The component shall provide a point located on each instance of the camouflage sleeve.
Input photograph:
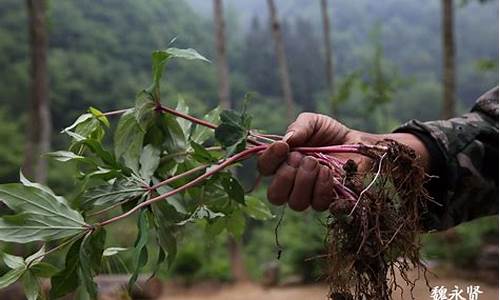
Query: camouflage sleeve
(464, 156)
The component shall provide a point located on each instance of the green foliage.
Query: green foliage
(464, 247)
(148, 144)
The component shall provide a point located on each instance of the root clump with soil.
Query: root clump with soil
(375, 235)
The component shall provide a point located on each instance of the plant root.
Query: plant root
(372, 239)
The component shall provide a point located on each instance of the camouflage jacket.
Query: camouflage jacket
(464, 158)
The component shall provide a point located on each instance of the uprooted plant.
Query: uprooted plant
(169, 169)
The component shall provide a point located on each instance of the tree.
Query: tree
(281, 56)
(221, 58)
(39, 125)
(234, 246)
(329, 71)
(448, 59)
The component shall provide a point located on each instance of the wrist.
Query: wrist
(414, 143)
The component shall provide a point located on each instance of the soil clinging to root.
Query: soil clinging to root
(372, 239)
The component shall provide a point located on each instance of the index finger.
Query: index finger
(269, 161)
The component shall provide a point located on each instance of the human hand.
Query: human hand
(300, 180)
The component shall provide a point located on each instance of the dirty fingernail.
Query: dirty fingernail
(288, 135)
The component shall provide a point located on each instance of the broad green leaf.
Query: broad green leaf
(113, 251)
(175, 140)
(128, 141)
(78, 121)
(149, 161)
(31, 285)
(11, 276)
(232, 137)
(202, 133)
(231, 117)
(257, 209)
(97, 148)
(90, 260)
(235, 224)
(159, 261)
(144, 109)
(109, 194)
(189, 53)
(159, 59)
(99, 116)
(183, 123)
(86, 126)
(25, 181)
(174, 202)
(44, 269)
(13, 261)
(233, 188)
(41, 216)
(167, 241)
(167, 212)
(66, 280)
(233, 130)
(201, 154)
(65, 156)
(140, 247)
(213, 229)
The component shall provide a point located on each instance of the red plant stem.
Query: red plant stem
(178, 176)
(188, 117)
(195, 182)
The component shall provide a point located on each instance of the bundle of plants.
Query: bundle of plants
(168, 169)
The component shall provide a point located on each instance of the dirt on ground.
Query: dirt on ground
(253, 291)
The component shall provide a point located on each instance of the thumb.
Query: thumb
(300, 131)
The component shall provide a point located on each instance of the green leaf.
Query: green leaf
(201, 154)
(128, 141)
(165, 206)
(213, 229)
(235, 224)
(31, 285)
(167, 242)
(44, 269)
(183, 123)
(203, 133)
(65, 156)
(66, 280)
(99, 116)
(86, 126)
(41, 187)
(140, 247)
(144, 109)
(175, 140)
(97, 148)
(11, 277)
(113, 251)
(79, 120)
(257, 209)
(232, 137)
(109, 194)
(41, 216)
(90, 260)
(149, 161)
(13, 261)
(233, 188)
(189, 53)
(159, 59)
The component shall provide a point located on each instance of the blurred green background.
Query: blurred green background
(387, 70)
